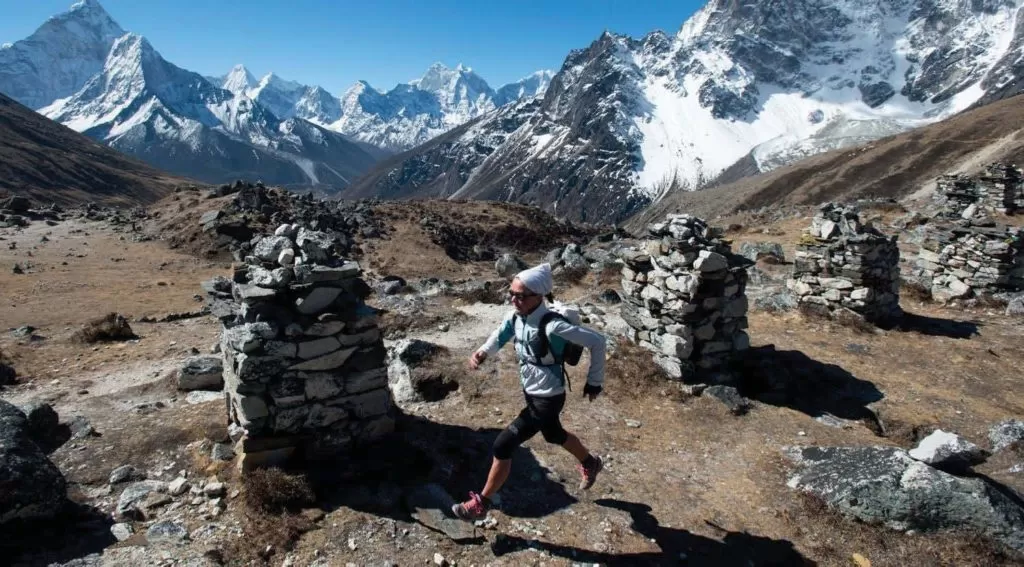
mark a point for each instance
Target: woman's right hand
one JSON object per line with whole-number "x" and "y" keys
{"x": 476, "y": 359}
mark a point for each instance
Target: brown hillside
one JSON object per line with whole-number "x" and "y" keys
{"x": 896, "y": 166}
{"x": 48, "y": 162}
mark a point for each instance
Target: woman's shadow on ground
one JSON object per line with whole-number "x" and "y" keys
{"x": 677, "y": 546}
{"x": 421, "y": 452}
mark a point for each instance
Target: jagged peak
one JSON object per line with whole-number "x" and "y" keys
{"x": 90, "y": 11}
{"x": 238, "y": 79}
{"x": 272, "y": 78}
{"x": 86, "y": 5}
{"x": 694, "y": 26}
{"x": 359, "y": 87}
{"x": 131, "y": 41}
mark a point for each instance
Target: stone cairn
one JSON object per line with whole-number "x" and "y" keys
{"x": 842, "y": 263}
{"x": 304, "y": 361}
{"x": 998, "y": 189}
{"x": 685, "y": 297}
{"x": 961, "y": 259}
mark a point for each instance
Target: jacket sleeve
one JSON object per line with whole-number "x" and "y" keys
{"x": 499, "y": 337}
{"x": 587, "y": 338}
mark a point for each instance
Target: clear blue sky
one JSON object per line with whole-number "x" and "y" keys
{"x": 333, "y": 43}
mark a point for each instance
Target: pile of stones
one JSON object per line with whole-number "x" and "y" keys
{"x": 684, "y": 297}
{"x": 966, "y": 253}
{"x": 303, "y": 359}
{"x": 998, "y": 189}
{"x": 845, "y": 265}
{"x": 255, "y": 209}
{"x": 960, "y": 260}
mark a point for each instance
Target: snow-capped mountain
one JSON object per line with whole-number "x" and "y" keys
{"x": 143, "y": 105}
{"x": 527, "y": 87}
{"x": 58, "y": 59}
{"x": 440, "y": 100}
{"x": 239, "y": 80}
{"x": 407, "y": 115}
{"x": 278, "y": 95}
{"x": 625, "y": 120}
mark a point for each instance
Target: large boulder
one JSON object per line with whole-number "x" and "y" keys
{"x": 886, "y": 485}
{"x": 132, "y": 502}
{"x": 508, "y": 265}
{"x": 408, "y": 382}
{"x": 31, "y": 486}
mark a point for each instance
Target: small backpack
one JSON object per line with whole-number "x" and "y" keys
{"x": 572, "y": 352}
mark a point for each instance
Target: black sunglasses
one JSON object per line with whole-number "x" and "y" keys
{"x": 521, "y": 294}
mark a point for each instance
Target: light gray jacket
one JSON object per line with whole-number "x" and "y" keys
{"x": 544, "y": 377}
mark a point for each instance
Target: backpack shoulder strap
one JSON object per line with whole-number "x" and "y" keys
{"x": 545, "y": 341}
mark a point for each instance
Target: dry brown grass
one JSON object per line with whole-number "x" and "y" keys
{"x": 853, "y": 321}
{"x": 835, "y": 539}
{"x": 634, "y": 373}
{"x": 264, "y": 537}
{"x": 271, "y": 519}
{"x": 110, "y": 327}
{"x": 820, "y": 314}
{"x": 396, "y": 325}
{"x": 274, "y": 491}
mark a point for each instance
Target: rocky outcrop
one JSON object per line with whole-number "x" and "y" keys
{"x": 886, "y": 485}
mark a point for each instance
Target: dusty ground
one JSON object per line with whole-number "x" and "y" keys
{"x": 691, "y": 481}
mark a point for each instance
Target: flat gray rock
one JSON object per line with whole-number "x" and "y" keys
{"x": 130, "y": 502}
{"x": 125, "y": 473}
{"x": 318, "y": 300}
{"x": 431, "y": 506}
{"x": 171, "y": 532}
{"x": 885, "y": 485}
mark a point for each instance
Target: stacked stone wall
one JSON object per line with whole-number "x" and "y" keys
{"x": 304, "y": 360}
{"x": 684, "y": 297}
{"x": 842, "y": 263}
